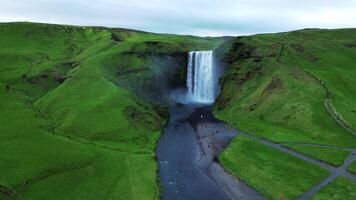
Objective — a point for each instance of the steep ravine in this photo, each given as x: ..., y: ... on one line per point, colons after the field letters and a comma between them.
x: 191, y: 142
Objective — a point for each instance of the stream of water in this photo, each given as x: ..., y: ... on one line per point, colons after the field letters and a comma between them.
x: 192, y: 140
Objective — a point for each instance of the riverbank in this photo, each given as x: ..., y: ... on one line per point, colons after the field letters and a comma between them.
x: 187, y: 157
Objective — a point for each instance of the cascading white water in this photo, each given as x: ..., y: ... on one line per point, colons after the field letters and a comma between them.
x: 200, y: 77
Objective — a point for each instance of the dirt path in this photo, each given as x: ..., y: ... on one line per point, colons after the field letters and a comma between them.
x: 334, y: 171
x: 328, y: 106
x: 340, y: 171
x: 337, y: 117
x: 319, y: 145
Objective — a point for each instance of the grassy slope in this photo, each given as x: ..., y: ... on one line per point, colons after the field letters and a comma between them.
x: 333, y: 54
x: 68, y: 129
x: 340, y: 189
x: 335, y: 157
x: 275, y: 174
x: 270, y: 90
x: 352, y: 167
x: 267, y: 93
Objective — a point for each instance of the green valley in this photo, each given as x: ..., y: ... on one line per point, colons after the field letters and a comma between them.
x: 83, y: 108
x: 73, y: 114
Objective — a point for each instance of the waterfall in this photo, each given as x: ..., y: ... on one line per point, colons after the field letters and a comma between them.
x: 200, y: 77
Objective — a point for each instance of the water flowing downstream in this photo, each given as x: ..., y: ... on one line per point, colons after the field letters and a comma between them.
x: 192, y: 140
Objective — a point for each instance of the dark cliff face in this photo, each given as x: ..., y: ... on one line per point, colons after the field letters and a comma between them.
x: 152, y: 69
x: 226, y: 55
x: 241, y: 61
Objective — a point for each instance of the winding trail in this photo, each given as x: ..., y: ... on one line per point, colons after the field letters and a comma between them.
x: 328, y: 106
x: 337, y: 117
x: 339, y: 171
x: 334, y: 171
x: 327, y: 100
x: 192, y: 140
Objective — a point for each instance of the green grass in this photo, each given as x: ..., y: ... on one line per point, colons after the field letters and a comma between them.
x: 335, y: 157
x: 334, y: 63
x: 78, y: 118
x: 270, y: 89
x: 37, y: 165
x: 352, y: 167
x: 271, y: 172
x: 274, y: 97
x: 340, y: 189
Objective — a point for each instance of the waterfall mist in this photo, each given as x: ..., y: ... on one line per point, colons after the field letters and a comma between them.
x: 202, y: 79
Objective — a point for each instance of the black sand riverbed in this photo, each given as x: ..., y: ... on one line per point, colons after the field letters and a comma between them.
x: 187, y: 157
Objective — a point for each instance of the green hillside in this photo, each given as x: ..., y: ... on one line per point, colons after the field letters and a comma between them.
x: 83, y: 107
x: 296, y: 89
x: 270, y: 87
x: 75, y: 122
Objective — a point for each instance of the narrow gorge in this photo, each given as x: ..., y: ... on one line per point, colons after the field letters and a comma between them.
x: 192, y: 140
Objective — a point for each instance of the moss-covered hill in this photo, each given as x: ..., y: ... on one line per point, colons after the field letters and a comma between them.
x: 78, y: 108
x: 296, y: 88
x: 81, y: 108
x: 272, y: 85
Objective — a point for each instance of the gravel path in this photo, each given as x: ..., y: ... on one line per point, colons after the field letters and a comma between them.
x: 187, y: 152
x: 334, y: 171
x: 320, y: 145
x: 340, y: 171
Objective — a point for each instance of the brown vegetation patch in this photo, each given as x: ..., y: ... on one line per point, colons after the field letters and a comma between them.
x: 6, y: 192
x: 350, y: 45
x: 312, y: 58
x: 275, y: 83
x: 241, y: 51
x: 142, y: 119
x: 298, y: 48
